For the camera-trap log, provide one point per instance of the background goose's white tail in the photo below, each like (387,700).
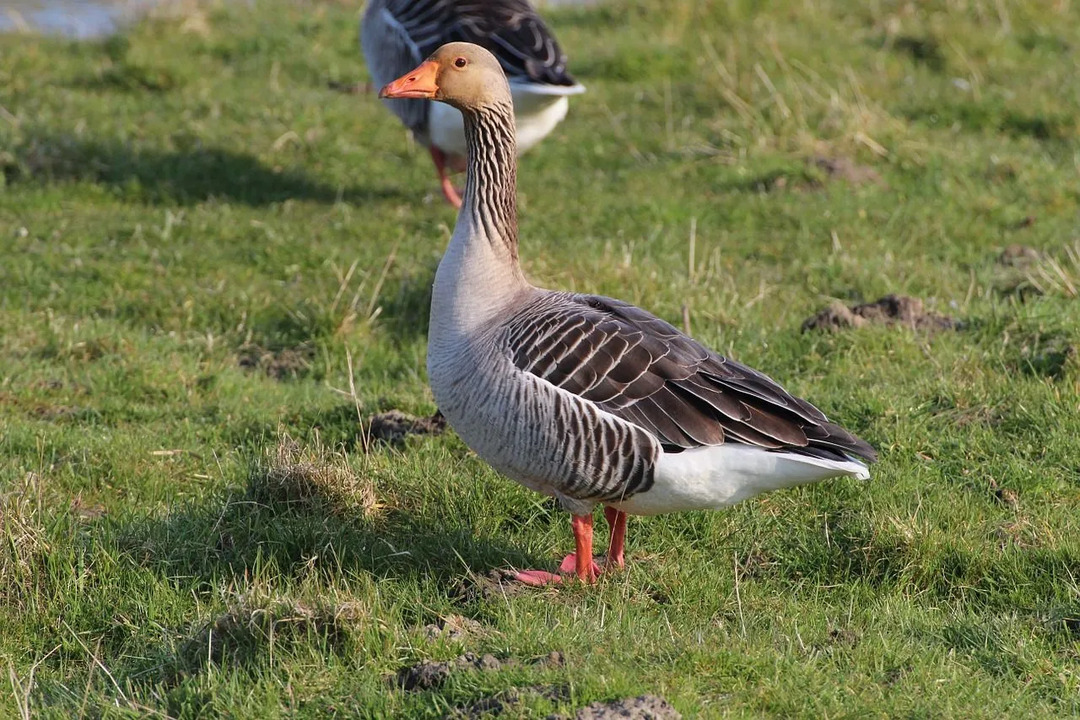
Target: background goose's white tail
(536,113)
(523,86)
(714,477)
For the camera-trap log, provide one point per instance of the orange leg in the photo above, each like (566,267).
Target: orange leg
(580,563)
(586,569)
(448,189)
(617,538)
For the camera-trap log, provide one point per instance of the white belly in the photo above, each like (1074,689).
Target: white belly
(534,115)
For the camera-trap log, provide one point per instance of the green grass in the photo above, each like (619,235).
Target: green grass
(203,248)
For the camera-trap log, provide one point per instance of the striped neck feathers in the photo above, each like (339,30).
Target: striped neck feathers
(490,198)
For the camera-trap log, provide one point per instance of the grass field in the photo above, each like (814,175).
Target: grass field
(212,263)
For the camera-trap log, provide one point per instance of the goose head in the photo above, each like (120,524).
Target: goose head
(463,75)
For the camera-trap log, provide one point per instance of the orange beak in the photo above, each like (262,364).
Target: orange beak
(420,83)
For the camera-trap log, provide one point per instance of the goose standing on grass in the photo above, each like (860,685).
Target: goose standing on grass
(581,397)
(397,34)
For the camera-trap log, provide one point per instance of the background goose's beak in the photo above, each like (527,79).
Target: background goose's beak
(420,83)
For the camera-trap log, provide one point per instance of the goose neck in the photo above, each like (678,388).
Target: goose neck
(480,276)
(489,206)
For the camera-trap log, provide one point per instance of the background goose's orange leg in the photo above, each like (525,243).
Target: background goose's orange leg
(448,189)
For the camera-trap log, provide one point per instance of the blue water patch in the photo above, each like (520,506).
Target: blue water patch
(80,19)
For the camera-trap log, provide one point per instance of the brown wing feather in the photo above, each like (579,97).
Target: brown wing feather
(510,29)
(642,369)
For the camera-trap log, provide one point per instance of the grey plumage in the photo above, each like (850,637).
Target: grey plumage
(587,398)
(645,371)
(396,35)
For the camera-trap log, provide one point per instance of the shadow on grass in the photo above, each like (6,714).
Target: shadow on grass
(162,176)
(989,117)
(406,310)
(296,519)
(254,532)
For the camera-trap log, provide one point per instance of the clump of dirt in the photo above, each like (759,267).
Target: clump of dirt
(489,586)
(642,707)
(452,627)
(847,170)
(889,310)
(283,364)
(1017,255)
(86,511)
(756,563)
(844,637)
(292,475)
(504,701)
(433,673)
(424,676)
(55,412)
(1019,533)
(1014,266)
(1005,496)
(394,426)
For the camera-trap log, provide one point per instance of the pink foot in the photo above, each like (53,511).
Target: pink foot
(579,564)
(538,578)
(543,578)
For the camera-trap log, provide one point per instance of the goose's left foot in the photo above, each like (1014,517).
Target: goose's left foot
(585,571)
(580,563)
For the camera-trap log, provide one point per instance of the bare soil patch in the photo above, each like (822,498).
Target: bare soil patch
(283,364)
(642,707)
(433,673)
(394,426)
(849,171)
(493,584)
(505,701)
(889,310)
(1017,255)
(452,627)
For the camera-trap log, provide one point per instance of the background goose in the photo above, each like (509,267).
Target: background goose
(397,34)
(581,397)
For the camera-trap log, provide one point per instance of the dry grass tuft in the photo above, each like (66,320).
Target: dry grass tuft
(25,543)
(295,475)
(1054,276)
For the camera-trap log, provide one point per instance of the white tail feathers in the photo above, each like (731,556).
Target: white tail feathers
(710,478)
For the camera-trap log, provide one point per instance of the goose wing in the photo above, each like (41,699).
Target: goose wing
(643,370)
(510,29)
(390,51)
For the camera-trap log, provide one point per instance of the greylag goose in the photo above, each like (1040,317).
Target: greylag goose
(581,397)
(397,34)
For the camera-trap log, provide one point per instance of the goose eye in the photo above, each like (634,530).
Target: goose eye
(460,62)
